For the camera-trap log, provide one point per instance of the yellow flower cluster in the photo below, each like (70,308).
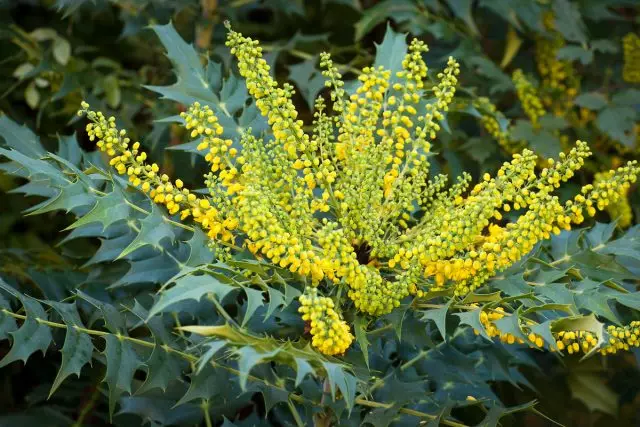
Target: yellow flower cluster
(571,342)
(336,205)
(631,52)
(127,159)
(487,318)
(331,334)
(528,96)
(619,209)
(560,82)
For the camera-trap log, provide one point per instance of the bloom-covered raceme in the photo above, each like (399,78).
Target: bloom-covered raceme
(338,205)
(567,341)
(330,333)
(528,95)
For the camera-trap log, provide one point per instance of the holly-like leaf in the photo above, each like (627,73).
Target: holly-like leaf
(122,363)
(255,299)
(78,347)
(248,357)
(191,84)
(382,417)
(32,335)
(472,318)
(153,229)
(162,368)
(69,198)
(207,384)
(581,323)
(158,268)
(439,316)
(190,287)
(341,380)
(212,348)
(573,53)
(302,369)
(308,79)
(113,319)
(360,328)
(20,138)
(391,52)
(199,252)
(108,210)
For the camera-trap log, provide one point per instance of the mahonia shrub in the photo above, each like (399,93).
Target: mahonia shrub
(329,242)
(337,205)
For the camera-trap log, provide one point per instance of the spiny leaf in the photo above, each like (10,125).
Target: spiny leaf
(472,318)
(153,229)
(108,209)
(113,319)
(271,395)
(544,330)
(159,411)
(248,357)
(162,368)
(78,347)
(32,335)
(122,362)
(255,299)
(302,369)
(35,168)
(191,84)
(591,100)
(276,300)
(20,138)
(199,252)
(382,417)
(157,269)
(190,287)
(439,316)
(212,348)
(391,52)
(207,384)
(344,381)
(511,325)
(308,79)
(69,198)
(360,328)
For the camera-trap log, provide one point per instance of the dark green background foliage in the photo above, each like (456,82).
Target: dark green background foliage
(94,308)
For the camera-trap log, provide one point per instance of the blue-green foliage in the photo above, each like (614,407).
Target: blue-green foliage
(130,292)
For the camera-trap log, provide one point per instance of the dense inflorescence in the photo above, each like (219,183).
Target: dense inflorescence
(339,206)
(331,335)
(568,341)
(631,51)
(619,210)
